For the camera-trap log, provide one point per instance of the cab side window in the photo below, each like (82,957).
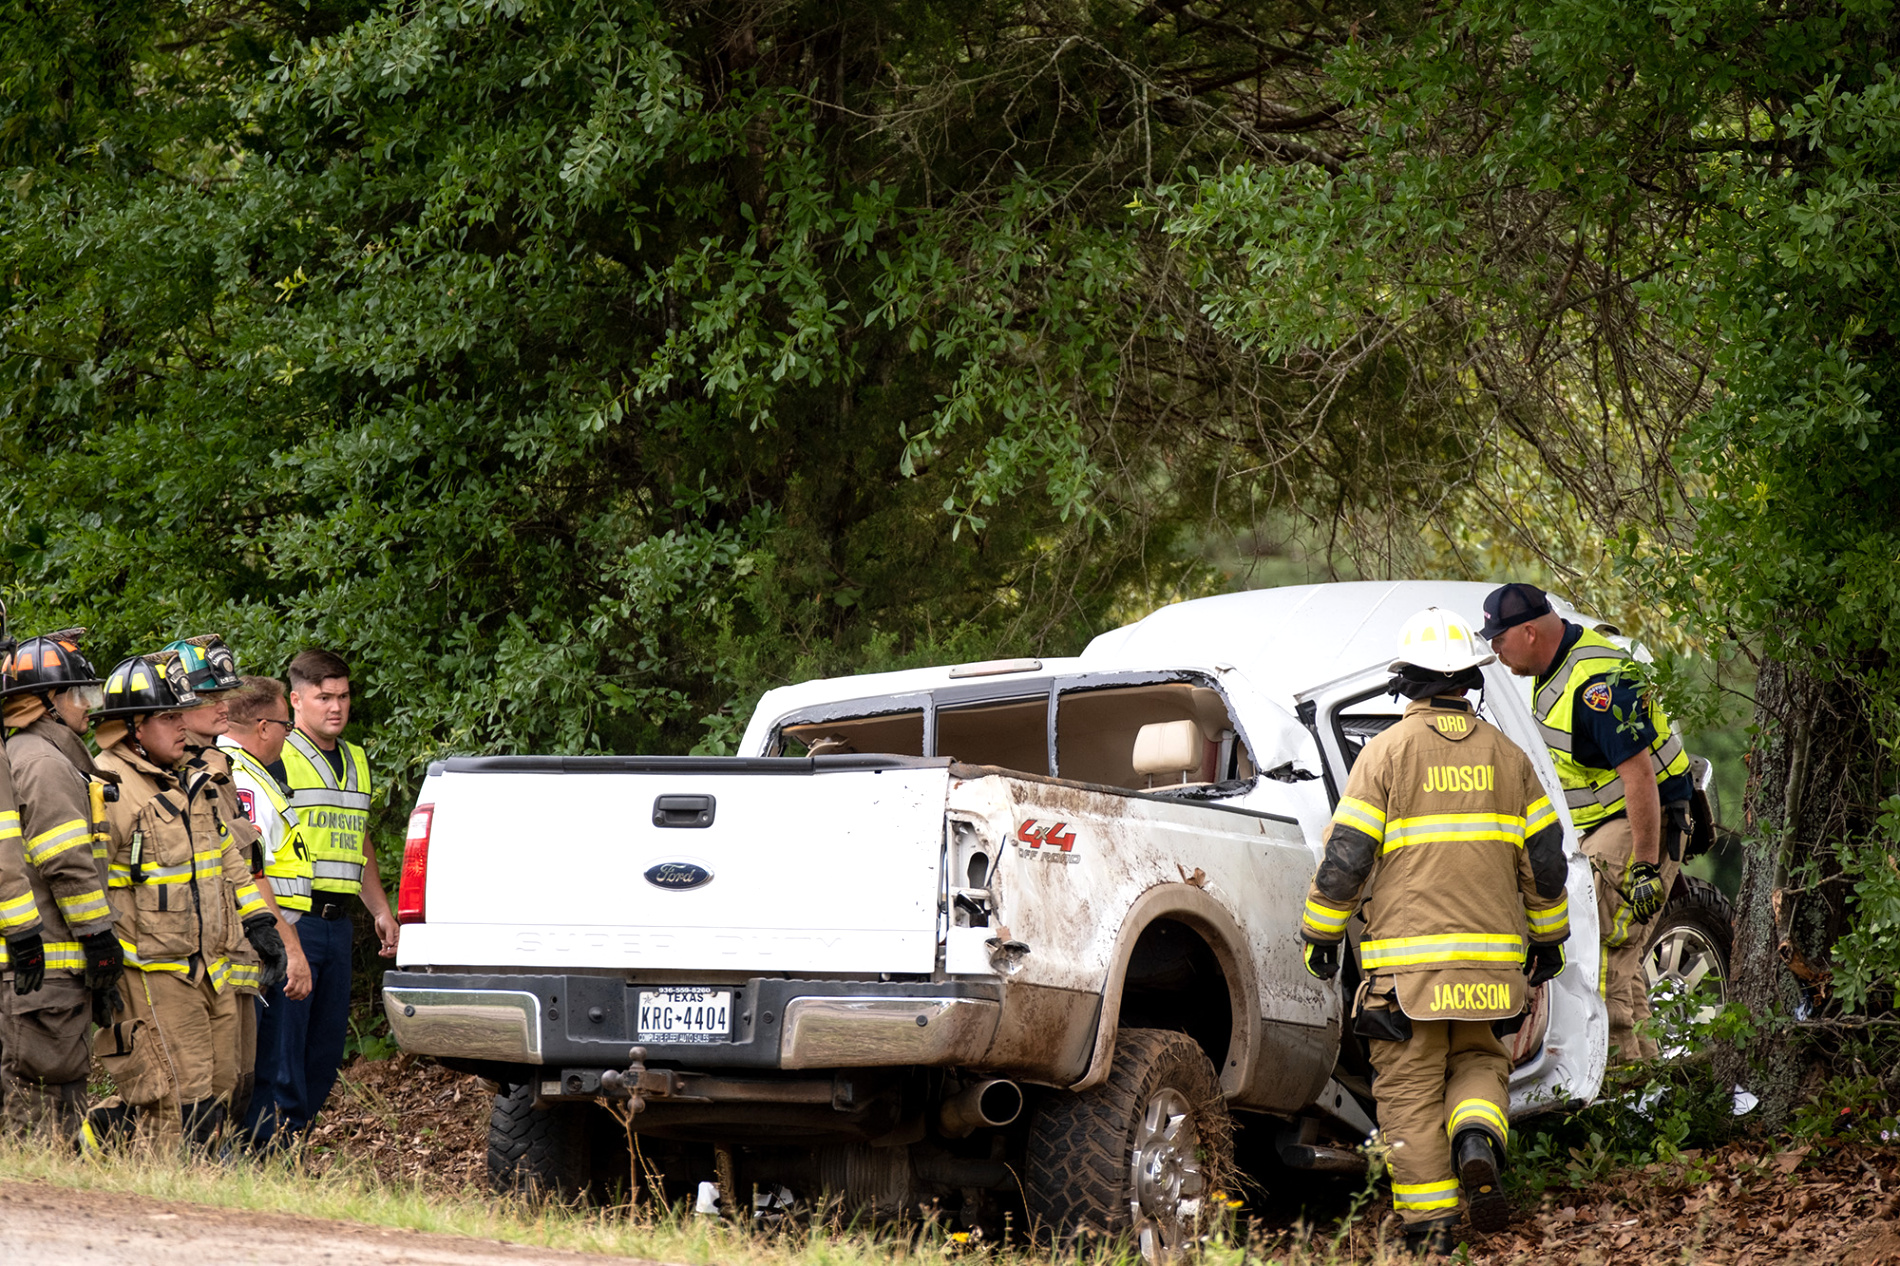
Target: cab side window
(1148,737)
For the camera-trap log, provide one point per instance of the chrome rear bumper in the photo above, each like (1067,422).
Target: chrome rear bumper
(849,1032)
(590,1021)
(495,1024)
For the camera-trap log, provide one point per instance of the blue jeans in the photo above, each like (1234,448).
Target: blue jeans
(300,1044)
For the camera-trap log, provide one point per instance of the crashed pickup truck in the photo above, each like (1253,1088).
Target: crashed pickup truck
(1009,937)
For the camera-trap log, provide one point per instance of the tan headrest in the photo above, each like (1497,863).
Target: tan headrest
(1168,747)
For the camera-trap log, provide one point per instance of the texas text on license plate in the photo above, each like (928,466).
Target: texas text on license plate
(685,1015)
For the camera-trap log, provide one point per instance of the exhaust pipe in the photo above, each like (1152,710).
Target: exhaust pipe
(983,1104)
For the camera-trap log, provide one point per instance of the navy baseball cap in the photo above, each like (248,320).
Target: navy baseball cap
(1510,605)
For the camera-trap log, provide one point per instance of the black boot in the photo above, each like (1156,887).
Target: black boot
(1475,1157)
(1431,1239)
(106,1126)
(202,1120)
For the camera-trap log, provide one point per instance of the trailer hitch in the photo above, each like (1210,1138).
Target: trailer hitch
(638,1083)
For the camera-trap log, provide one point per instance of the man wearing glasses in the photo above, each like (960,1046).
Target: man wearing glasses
(256,725)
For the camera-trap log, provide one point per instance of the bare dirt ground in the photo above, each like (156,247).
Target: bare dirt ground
(40,1223)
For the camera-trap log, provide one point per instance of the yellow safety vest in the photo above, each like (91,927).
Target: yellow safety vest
(288,869)
(1595,795)
(332,819)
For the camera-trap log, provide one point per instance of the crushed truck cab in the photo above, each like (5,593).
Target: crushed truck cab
(929,921)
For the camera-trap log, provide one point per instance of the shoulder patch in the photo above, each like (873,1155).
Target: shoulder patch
(247,801)
(1596,696)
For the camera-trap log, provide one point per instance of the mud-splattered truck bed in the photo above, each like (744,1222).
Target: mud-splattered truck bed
(1018,936)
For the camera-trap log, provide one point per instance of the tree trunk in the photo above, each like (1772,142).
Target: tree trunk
(1810,788)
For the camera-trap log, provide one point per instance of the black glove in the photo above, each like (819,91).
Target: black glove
(261,931)
(105,1004)
(27,954)
(1544,962)
(105,960)
(1322,958)
(1646,892)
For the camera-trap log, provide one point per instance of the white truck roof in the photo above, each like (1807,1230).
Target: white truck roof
(1284,640)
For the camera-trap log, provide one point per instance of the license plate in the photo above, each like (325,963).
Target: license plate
(685,1015)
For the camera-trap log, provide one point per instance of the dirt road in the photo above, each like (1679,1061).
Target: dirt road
(88,1228)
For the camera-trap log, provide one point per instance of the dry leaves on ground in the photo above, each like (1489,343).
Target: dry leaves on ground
(1748,1204)
(411,1119)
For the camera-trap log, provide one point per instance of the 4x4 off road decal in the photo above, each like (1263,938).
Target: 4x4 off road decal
(1051,843)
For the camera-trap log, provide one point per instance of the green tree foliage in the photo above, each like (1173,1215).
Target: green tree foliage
(1652,244)
(578,371)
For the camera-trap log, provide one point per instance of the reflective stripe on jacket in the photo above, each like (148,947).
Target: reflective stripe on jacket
(19,912)
(176,877)
(332,817)
(1595,795)
(57,797)
(286,862)
(215,764)
(1444,819)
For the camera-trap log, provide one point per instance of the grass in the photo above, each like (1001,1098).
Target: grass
(351,1191)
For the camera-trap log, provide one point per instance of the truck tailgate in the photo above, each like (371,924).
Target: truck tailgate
(832,871)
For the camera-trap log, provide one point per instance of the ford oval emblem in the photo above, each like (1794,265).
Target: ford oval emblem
(678,876)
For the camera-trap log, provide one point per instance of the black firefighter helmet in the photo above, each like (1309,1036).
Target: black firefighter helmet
(143,684)
(47,665)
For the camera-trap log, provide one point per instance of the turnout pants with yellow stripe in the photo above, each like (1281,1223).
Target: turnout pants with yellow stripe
(44,1057)
(163,1050)
(1452,1075)
(1623,983)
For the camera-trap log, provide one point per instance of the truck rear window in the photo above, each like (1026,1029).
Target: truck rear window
(1098,726)
(1013,734)
(896,734)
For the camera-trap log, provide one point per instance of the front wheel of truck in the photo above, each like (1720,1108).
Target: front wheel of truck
(1140,1155)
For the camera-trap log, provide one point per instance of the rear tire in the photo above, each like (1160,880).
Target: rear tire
(540,1153)
(1139,1155)
(1687,963)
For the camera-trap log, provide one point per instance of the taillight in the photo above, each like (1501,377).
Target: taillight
(412,893)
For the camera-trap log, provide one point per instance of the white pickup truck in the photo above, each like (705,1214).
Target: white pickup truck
(1020,933)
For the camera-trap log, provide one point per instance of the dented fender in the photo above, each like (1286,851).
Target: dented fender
(1076,874)
(1190,905)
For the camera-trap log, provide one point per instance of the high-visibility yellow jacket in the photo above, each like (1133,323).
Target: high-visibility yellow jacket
(62,809)
(1444,822)
(286,862)
(1595,795)
(332,813)
(171,858)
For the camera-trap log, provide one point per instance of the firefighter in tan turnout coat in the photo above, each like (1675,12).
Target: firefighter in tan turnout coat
(45,690)
(1447,839)
(176,880)
(210,671)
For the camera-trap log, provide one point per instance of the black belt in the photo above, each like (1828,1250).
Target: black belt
(329,908)
(1677,826)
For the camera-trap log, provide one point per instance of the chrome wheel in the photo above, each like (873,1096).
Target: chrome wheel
(1688,984)
(1166,1182)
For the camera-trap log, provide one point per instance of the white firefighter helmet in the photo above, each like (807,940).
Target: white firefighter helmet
(1440,641)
